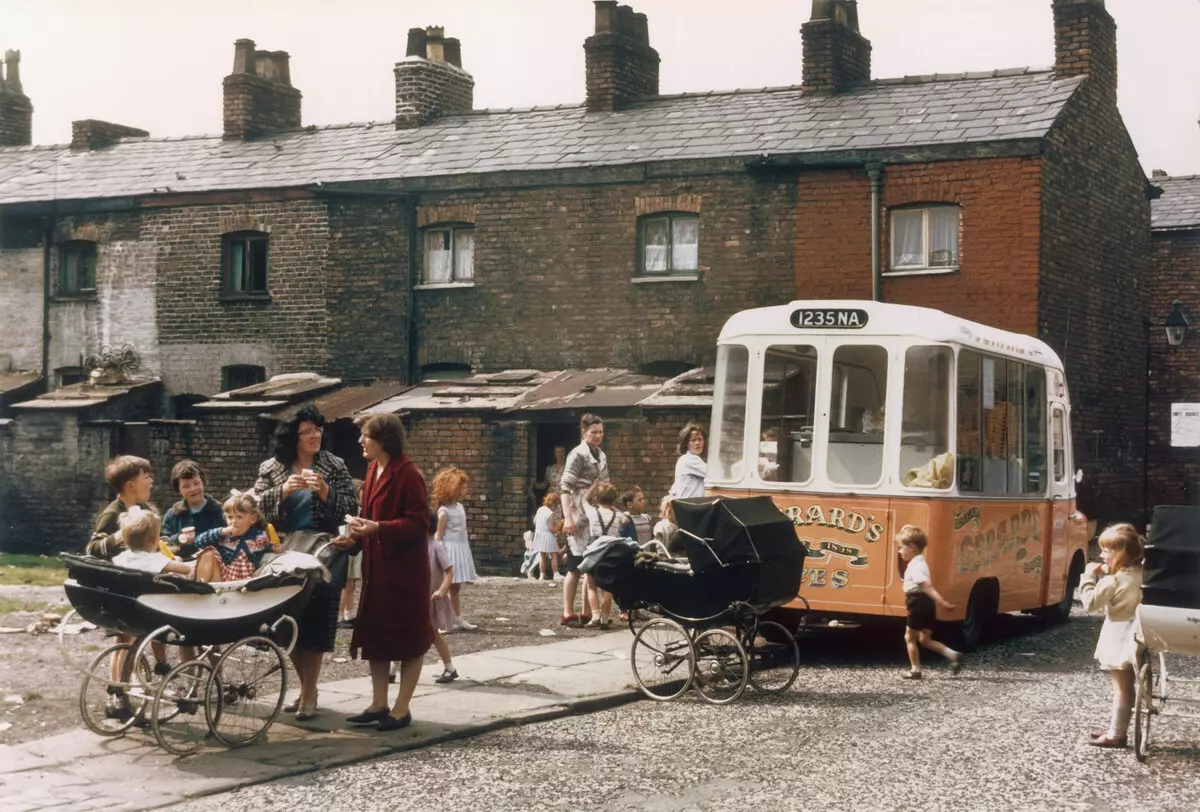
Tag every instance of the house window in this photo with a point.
(68, 376)
(449, 254)
(239, 376)
(670, 244)
(244, 257)
(77, 268)
(925, 239)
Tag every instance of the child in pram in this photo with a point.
(234, 552)
(140, 529)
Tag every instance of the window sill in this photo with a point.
(443, 285)
(244, 297)
(921, 271)
(648, 280)
(78, 296)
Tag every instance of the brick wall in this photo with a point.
(426, 90)
(228, 445)
(619, 70)
(367, 288)
(1092, 301)
(561, 263)
(1173, 473)
(998, 243)
(286, 332)
(254, 106)
(93, 134)
(835, 56)
(21, 306)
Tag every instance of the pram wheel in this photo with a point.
(1143, 708)
(774, 657)
(80, 648)
(110, 706)
(721, 667)
(245, 692)
(663, 660)
(178, 715)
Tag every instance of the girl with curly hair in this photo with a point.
(449, 489)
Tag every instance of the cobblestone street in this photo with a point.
(1008, 733)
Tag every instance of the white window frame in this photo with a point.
(925, 268)
(457, 278)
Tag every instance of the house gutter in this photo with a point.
(50, 224)
(875, 174)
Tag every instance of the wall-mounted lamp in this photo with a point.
(1176, 325)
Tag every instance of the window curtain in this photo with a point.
(908, 239)
(655, 242)
(464, 254)
(685, 236)
(943, 236)
(237, 266)
(438, 256)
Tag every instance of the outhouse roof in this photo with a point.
(1178, 207)
(900, 114)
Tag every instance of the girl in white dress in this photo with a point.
(1115, 585)
(545, 537)
(449, 489)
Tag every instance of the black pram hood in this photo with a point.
(722, 531)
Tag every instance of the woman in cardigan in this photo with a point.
(305, 489)
(393, 623)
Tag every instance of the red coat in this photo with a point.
(393, 620)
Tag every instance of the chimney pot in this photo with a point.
(258, 95)
(243, 56)
(1158, 173)
(416, 43)
(12, 72)
(435, 44)
(453, 49)
(641, 29)
(606, 16)
(16, 113)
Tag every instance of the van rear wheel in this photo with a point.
(981, 613)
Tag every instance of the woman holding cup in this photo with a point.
(306, 490)
(194, 513)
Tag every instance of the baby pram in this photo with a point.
(1168, 620)
(234, 695)
(742, 560)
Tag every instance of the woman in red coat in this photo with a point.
(393, 532)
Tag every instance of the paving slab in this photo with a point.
(498, 688)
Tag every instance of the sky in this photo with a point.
(158, 64)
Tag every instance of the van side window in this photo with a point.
(789, 399)
(1058, 428)
(729, 413)
(856, 415)
(1001, 411)
(925, 458)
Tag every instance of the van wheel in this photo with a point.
(1059, 612)
(981, 611)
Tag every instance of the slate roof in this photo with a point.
(1179, 204)
(888, 113)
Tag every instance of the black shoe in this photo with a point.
(448, 675)
(162, 669)
(367, 717)
(389, 722)
(912, 675)
(346, 624)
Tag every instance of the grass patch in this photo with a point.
(10, 605)
(31, 570)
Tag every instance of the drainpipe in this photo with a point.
(875, 173)
(410, 303)
(50, 223)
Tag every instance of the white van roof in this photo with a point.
(885, 319)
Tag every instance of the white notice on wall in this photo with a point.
(1185, 425)
(989, 383)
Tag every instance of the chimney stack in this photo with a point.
(1085, 43)
(259, 97)
(836, 55)
(621, 65)
(430, 80)
(91, 134)
(16, 111)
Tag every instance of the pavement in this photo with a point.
(496, 689)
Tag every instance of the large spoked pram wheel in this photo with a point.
(722, 669)
(245, 692)
(663, 660)
(178, 714)
(1150, 697)
(114, 691)
(774, 657)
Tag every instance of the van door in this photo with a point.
(1056, 550)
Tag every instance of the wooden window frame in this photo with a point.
(671, 271)
(455, 280)
(925, 268)
(87, 251)
(249, 240)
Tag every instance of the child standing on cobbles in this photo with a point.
(638, 525)
(441, 576)
(545, 534)
(1114, 584)
(919, 599)
(603, 520)
(449, 489)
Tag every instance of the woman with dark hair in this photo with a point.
(394, 619)
(585, 465)
(690, 468)
(304, 489)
